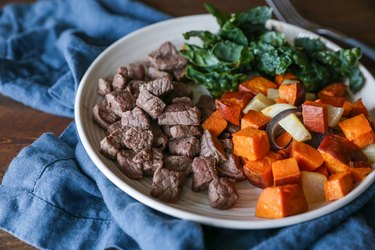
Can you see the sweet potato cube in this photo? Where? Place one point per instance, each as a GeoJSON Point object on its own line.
{"type": "Point", "coordinates": [257, 85]}
{"type": "Point", "coordinates": [279, 79]}
{"type": "Point", "coordinates": [239, 98]}
{"type": "Point", "coordinates": [285, 172]}
{"type": "Point", "coordinates": [308, 158]}
{"type": "Point", "coordinates": [358, 174]}
{"type": "Point", "coordinates": [347, 106]}
{"type": "Point", "coordinates": [293, 93]}
{"type": "Point", "coordinates": [229, 111]}
{"type": "Point", "coordinates": [284, 139]}
{"type": "Point", "coordinates": [215, 123]}
{"type": "Point", "coordinates": [332, 100]}
{"type": "Point", "coordinates": [315, 116]}
{"type": "Point", "coordinates": [322, 170]}
{"type": "Point", "coordinates": [358, 108]}
{"type": "Point", "coordinates": [254, 119]}
{"type": "Point", "coordinates": [251, 144]}
{"type": "Point", "coordinates": [280, 202]}
{"type": "Point", "coordinates": [259, 172]}
{"type": "Point", "coordinates": [334, 89]}
{"type": "Point", "coordinates": [337, 186]}
{"type": "Point", "coordinates": [358, 130]}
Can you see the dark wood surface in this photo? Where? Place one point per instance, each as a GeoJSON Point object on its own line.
{"type": "Point", "coordinates": [21, 125]}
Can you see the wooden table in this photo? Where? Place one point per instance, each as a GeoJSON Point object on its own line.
{"type": "Point", "coordinates": [21, 125]}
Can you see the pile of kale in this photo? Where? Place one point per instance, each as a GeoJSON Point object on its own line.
{"type": "Point", "coordinates": [243, 46]}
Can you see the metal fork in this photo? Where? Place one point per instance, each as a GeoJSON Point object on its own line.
{"type": "Point", "coordinates": [285, 11]}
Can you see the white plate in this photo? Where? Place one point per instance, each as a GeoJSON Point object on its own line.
{"type": "Point", "coordinates": [191, 206]}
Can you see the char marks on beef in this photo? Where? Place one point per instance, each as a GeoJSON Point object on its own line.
{"type": "Point", "coordinates": [153, 73]}
{"type": "Point", "coordinates": [203, 172]}
{"type": "Point", "coordinates": [159, 86]}
{"type": "Point", "coordinates": [167, 57]}
{"type": "Point", "coordinates": [130, 168]}
{"type": "Point", "coordinates": [192, 116]}
{"type": "Point", "coordinates": [231, 168]}
{"type": "Point", "coordinates": [178, 163]}
{"type": "Point", "coordinates": [183, 99]}
{"type": "Point", "coordinates": [212, 147]}
{"type": "Point", "coordinates": [114, 126]}
{"type": "Point", "coordinates": [135, 118]}
{"type": "Point", "coordinates": [157, 161]}
{"type": "Point", "coordinates": [184, 146]}
{"type": "Point", "coordinates": [222, 193]}
{"type": "Point", "coordinates": [180, 131]}
{"type": "Point", "coordinates": [119, 101]}
{"type": "Point", "coordinates": [153, 105]}
{"type": "Point", "coordinates": [167, 184]}
{"type": "Point", "coordinates": [138, 139]}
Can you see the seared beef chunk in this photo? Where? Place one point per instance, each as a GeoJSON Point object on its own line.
{"type": "Point", "coordinates": [119, 135]}
{"type": "Point", "coordinates": [227, 145]}
{"type": "Point", "coordinates": [134, 87]}
{"type": "Point", "coordinates": [191, 116]}
{"type": "Point", "coordinates": [222, 193]}
{"type": "Point", "coordinates": [104, 86]}
{"type": "Point", "coordinates": [203, 172]}
{"type": "Point", "coordinates": [99, 115]}
{"type": "Point", "coordinates": [159, 86]}
{"type": "Point", "coordinates": [231, 168]}
{"type": "Point", "coordinates": [179, 131]}
{"type": "Point", "coordinates": [180, 74]}
{"type": "Point", "coordinates": [136, 71]}
{"type": "Point", "coordinates": [212, 147]}
{"type": "Point", "coordinates": [119, 101]}
{"type": "Point", "coordinates": [167, 57]}
{"type": "Point", "coordinates": [135, 118]}
{"type": "Point", "coordinates": [178, 163]}
{"type": "Point", "coordinates": [153, 105]}
{"type": "Point", "coordinates": [143, 157]}
{"type": "Point", "coordinates": [207, 106]}
{"type": "Point", "coordinates": [184, 146]}
{"type": "Point", "coordinates": [138, 139]}
{"type": "Point", "coordinates": [183, 99]}
{"type": "Point", "coordinates": [120, 79]}
{"type": "Point", "coordinates": [160, 139]}
{"type": "Point", "coordinates": [153, 73]}
{"type": "Point", "coordinates": [179, 90]}
{"type": "Point", "coordinates": [130, 168]}
{"type": "Point", "coordinates": [109, 147]}
{"type": "Point", "coordinates": [157, 161]}
{"type": "Point", "coordinates": [176, 107]}
{"type": "Point", "coordinates": [167, 184]}
{"type": "Point", "coordinates": [114, 126]}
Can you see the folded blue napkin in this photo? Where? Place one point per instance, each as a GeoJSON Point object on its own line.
{"type": "Point", "coordinates": [54, 197]}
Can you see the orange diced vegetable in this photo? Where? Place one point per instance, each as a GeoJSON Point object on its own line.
{"type": "Point", "coordinates": [293, 94]}
{"type": "Point", "coordinates": [308, 158]}
{"type": "Point", "coordinates": [315, 116]}
{"type": "Point", "coordinates": [358, 174]}
{"type": "Point", "coordinates": [332, 100]}
{"type": "Point", "coordinates": [347, 106]}
{"type": "Point", "coordinates": [282, 201]}
{"type": "Point", "coordinates": [229, 111]}
{"type": "Point", "coordinates": [279, 100]}
{"type": "Point", "coordinates": [279, 79]}
{"type": "Point", "coordinates": [285, 172]}
{"type": "Point", "coordinates": [337, 186]}
{"type": "Point", "coordinates": [358, 108]}
{"type": "Point", "coordinates": [259, 172]}
{"type": "Point", "coordinates": [358, 130]}
{"type": "Point", "coordinates": [254, 119]}
{"type": "Point", "coordinates": [215, 123]}
{"type": "Point", "coordinates": [257, 85]}
{"type": "Point", "coordinates": [334, 89]}
{"type": "Point", "coordinates": [239, 98]}
{"type": "Point", "coordinates": [283, 140]}
{"type": "Point", "coordinates": [322, 170]}
{"type": "Point", "coordinates": [251, 144]}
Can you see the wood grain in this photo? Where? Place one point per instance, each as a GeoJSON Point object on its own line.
{"type": "Point", "coordinates": [21, 125]}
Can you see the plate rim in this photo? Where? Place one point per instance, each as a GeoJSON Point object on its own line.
{"type": "Point", "coordinates": [172, 211]}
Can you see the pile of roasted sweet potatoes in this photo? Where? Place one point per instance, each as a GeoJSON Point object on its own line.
{"type": "Point", "coordinates": [300, 148]}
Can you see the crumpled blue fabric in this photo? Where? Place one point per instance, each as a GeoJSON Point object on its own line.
{"type": "Point", "coordinates": [54, 197]}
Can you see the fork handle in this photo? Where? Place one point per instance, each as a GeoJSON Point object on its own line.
{"type": "Point", "coordinates": [366, 50]}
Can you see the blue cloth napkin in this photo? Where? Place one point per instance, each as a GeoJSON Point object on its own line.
{"type": "Point", "coordinates": [53, 196]}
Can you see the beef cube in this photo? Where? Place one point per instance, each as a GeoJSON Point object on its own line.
{"type": "Point", "coordinates": [143, 157]}
{"type": "Point", "coordinates": [167, 184]}
{"type": "Point", "coordinates": [203, 172]}
{"type": "Point", "coordinates": [120, 79]}
{"type": "Point", "coordinates": [178, 163]}
{"type": "Point", "coordinates": [222, 193]}
{"type": "Point", "coordinates": [114, 126]}
{"type": "Point", "coordinates": [231, 128]}
{"type": "Point", "coordinates": [180, 74]}
{"type": "Point", "coordinates": [227, 145]}
{"type": "Point", "coordinates": [176, 107]}
{"type": "Point", "coordinates": [119, 102]}
{"type": "Point", "coordinates": [153, 73]}
{"type": "Point", "coordinates": [109, 147]}
{"type": "Point", "coordinates": [179, 90]}
{"type": "Point", "coordinates": [231, 168]}
{"type": "Point", "coordinates": [180, 131]}
{"type": "Point", "coordinates": [130, 168]}
{"type": "Point", "coordinates": [157, 161]}
{"type": "Point", "coordinates": [104, 86]}
{"type": "Point", "coordinates": [167, 57]}
{"type": "Point", "coordinates": [134, 87]}
{"type": "Point", "coordinates": [207, 106]}
{"type": "Point", "coordinates": [101, 117]}
{"type": "Point", "coordinates": [212, 147]}
{"type": "Point", "coordinates": [119, 135]}
{"type": "Point", "coordinates": [183, 99]}
{"type": "Point", "coordinates": [136, 71]}
{"type": "Point", "coordinates": [153, 105]}
{"type": "Point", "coordinates": [135, 118]}
{"type": "Point", "coordinates": [160, 139]}
{"type": "Point", "coordinates": [159, 86]}
{"type": "Point", "coordinates": [138, 139]}
{"type": "Point", "coordinates": [191, 116]}
{"type": "Point", "coordinates": [184, 146]}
